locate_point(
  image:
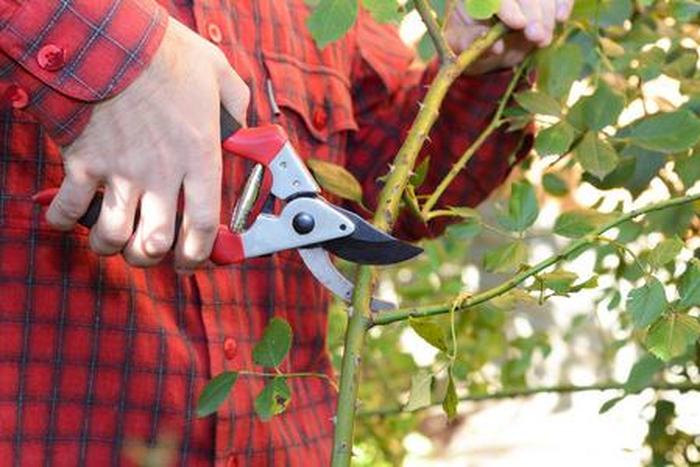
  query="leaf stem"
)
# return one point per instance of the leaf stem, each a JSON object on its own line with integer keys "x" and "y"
{"x": 443, "y": 48}
{"x": 261, "y": 374}
{"x": 528, "y": 392}
{"x": 389, "y": 317}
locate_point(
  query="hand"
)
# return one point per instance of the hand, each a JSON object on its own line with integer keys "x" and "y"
{"x": 533, "y": 21}
{"x": 158, "y": 135}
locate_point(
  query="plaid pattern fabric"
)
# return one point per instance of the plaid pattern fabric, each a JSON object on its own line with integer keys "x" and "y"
{"x": 94, "y": 353}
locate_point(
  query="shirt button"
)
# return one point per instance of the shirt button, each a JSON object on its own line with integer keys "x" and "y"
{"x": 320, "y": 118}
{"x": 214, "y": 33}
{"x": 18, "y": 97}
{"x": 232, "y": 462}
{"x": 230, "y": 347}
{"x": 51, "y": 57}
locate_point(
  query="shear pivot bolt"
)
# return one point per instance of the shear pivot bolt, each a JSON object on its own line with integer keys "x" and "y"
{"x": 303, "y": 223}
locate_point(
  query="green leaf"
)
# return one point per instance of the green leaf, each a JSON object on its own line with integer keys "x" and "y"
{"x": 522, "y": 208}
{"x": 336, "y": 179}
{"x": 273, "y": 399}
{"x": 642, "y": 373}
{"x": 609, "y": 404}
{"x": 538, "y": 103}
{"x": 689, "y": 288}
{"x": 383, "y": 11}
{"x": 670, "y": 336}
{"x": 482, "y": 9}
{"x": 421, "y": 383}
{"x": 331, "y": 19}
{"x": 274, "y": 345}
{"x": 666, "y": 132}
{"x": 688, "y": 169}
{"x": 560, "y": 281}
{"x": 558, "y": 66}
{"x": 506, "y": 258}
{"x": 596, "y": 156}
{"x": 647, "y": 303}
{"x": 665, "y": 252}
{"x": 449, "y": 403}
{"x": 215, "y": 393}
{"x": 555, "y": 140}
{"x": 602, "y": 13}
{"x": 430, "y": 331}
{"x": 602, "y": 108}
{"x": 554, "y": 185}
{"x": 575, "y": 224}
{"x": 420, "y": 173}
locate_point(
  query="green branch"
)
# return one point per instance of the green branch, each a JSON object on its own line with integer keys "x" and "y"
{"x": 443, "y": 48}
{"x": 389, "y": 317}
{"x": 527, "y": 392}
{"x": 384, "y": 218}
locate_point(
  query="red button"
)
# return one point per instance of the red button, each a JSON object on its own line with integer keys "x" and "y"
{"x": 230, "y": 347}
{"x": 232, "y": 462}
{"x": 320, "y": 119}
{"x": 17, "y": 96}
{"x": 214, "y": 33}
{"x": 51, "y": 57}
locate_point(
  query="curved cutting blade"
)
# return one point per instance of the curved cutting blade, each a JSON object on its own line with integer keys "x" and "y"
{"x": 319, "y": 263}
{"x": 369, "y": 245}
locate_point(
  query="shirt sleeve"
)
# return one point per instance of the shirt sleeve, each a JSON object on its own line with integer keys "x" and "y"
{"x": 387, "y": 93}
{"x": 58, "y": 57}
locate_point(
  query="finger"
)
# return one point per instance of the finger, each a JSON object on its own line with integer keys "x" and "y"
{"x": 235, "y": 95}
{"x": 534, "y": 31}
{"x": 564, "y": 9}
{"x": 200, "y": 221}
{"x": 116, "y": 222}
{"x": 498, "y": 48}
{"x": 155, "y": 232}
{"x": 72, "y": 200}
{"x": 511, "y": 15}
{"x": 548, "y": 21}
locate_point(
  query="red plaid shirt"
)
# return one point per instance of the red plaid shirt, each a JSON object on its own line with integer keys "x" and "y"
{"x": 95, "y": 353}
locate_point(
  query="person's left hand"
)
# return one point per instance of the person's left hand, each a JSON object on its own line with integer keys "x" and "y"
{"x": 532, "y": 21}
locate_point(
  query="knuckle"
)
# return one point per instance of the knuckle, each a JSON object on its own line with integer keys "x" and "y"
{"x": 65, "y": 208}
{"x": 206, "y": 225}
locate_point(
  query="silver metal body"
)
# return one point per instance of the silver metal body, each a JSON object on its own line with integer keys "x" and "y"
{"x": 290, "y": 176}
{"x": 247, "y": 200}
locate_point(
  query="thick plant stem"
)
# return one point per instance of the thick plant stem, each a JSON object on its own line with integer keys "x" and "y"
{"x": 527, "y": 392}
{"x": 389, "y": 317}
{"x": 384, "y": 218}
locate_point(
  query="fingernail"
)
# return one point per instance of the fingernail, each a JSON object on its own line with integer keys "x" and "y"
{"x": 156, "y": 246}
{"x": 562, "y": 12}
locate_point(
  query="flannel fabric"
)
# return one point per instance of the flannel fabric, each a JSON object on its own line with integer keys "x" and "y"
{"x": 95, "y": 354}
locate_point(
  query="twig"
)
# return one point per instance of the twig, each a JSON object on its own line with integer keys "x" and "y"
{"x": 443, "y": 48}
{"x": 384, "y": 218}
{"x": 565, "y": 389}
{"x": 260, "y": 374}
{"x": 389, "y": 317}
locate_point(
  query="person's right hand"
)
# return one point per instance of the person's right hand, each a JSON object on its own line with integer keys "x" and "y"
{"x": 160, "y": 134}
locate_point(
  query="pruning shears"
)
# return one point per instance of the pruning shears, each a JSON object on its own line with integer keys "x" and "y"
{"x": 307, "y": 222}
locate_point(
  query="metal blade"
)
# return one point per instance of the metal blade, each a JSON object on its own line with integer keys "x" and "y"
{"x": 369, "y": 245}
{"x": 319, "y": 263}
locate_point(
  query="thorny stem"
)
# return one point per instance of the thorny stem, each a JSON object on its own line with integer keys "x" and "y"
{"x": 443, "y": 48}
{"x": 384, "y": 218}
{"x": 458, "y": 166}
{"x": 527, "y": 392}
{"x": 389, "y": 317}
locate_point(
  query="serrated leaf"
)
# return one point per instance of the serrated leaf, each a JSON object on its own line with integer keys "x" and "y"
{"x": 670, "y": 336}
{"x": 331, "y": 19}
{"x": 595, "y": 155}
{"x": 647, "y": 303}
{"x": 482, "y": 9}
{"x": 665, "y": 252}
{"x": 560, "y": 281}
{"x": 602, "y": 108}
{"x": 522, "y": 208}
{"x": 555, "y": 140}
{"x": 274, "y": 345}
{"x": 383, "y": 11}
{"x": 449, "y": 403}
{"x": 430, "y": 331}
{"x": 666, "y": 132}
{"x": 575, "y": 224}
{"x": 538, "y": 103}
{"x": 642, "y": 373}
{"x": 215, "y": 393}
{"x": 554, "y": 185}
{"x": 421, "y": 383}
{"x": 336, "y": 179}
{"x": 689, "y": 288}
{"x": 506, "y": 258}
{"x": 273, "y": 399}
{"x": 558, "y": 67}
